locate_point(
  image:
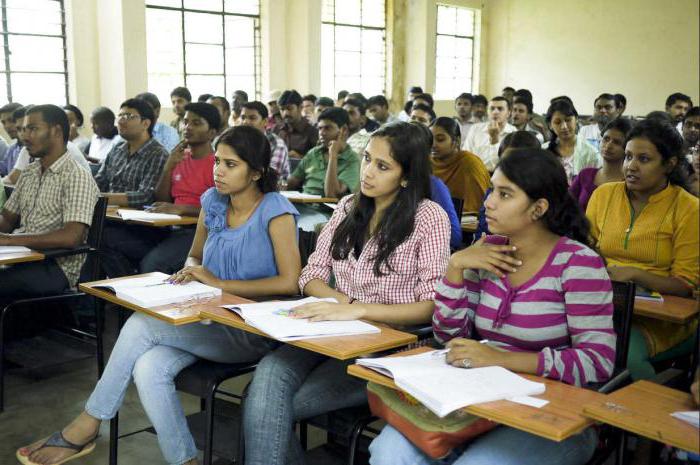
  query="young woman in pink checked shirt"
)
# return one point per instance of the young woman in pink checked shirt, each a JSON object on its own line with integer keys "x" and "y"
{"x": 387, "y": 246}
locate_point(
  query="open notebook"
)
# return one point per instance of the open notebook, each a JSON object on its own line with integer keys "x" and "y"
{"x": 10, "y": 249}
{"x": 443, "y": 388}
{"x": 144, "y": 215}
{"x": 299, "y": 195}
{"x": 273, "y": 318}
{"x": 152, "y": 291}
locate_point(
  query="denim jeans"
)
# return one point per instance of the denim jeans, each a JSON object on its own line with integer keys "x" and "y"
{"x": 153, "y": 353}
{"x": 292, "y": 384}
{"x": 170, "y": 254}
{"x": 502, "y": 446}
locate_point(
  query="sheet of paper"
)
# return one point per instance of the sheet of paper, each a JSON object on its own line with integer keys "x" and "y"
{"x": 331, "y": 205}
{"x": 690, "y": 417}
{"x": 299, "y": 195}
{"x": 8, "y": 249}
{"x": 143, "y": 215}
{"x": 531, "y": 401}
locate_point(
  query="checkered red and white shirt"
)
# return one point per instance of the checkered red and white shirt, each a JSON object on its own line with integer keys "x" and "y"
{"x": 418, "y": 263}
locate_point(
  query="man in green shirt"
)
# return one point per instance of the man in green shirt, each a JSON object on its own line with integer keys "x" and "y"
{"x": 330, "y": 169}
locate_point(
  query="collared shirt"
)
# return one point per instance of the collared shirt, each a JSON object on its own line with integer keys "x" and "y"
{"x": 464, "y": 129}
{"x": 591, "y": 133}
{"x": 359, "y": 141}
{"x": 312, "y": 170}
{"x": 3, "y": 150}
{"x": 136, "y": 174}
{"x": 100, "y": 146}
{"x": 416, "y": 265}
{"x": 299, "y": 140}
{"x": 24, "y": 159}
{"x": 8, "y": 163}
{"x": 166, "y": 135}
{"x": 63, "y": 193}
{"x": 178, "y": 125}
{"x": 279, "y": 159}
{"x": 478, "y": 141}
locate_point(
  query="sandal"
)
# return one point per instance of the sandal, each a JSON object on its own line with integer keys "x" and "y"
{"x": 57, "y": 440}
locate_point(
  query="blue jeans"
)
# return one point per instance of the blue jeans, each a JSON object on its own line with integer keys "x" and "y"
{"x": 502, "y": 446}
{"x": 153, "y": 353}
{"x": 292, "y": 384}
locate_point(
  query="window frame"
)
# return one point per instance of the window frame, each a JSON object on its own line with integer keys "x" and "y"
{"x": 474, "y": 38}
{"x": 257, "y": 53}
{"x": 6, "y": 44}
{"x": 361, "y": 27}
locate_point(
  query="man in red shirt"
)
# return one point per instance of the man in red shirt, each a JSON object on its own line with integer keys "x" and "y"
{"x": 187, "y": 174}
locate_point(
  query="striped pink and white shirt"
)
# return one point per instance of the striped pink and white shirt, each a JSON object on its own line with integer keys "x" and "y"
{"x": 564, "y": 312}
{"x": 418, "y": 263}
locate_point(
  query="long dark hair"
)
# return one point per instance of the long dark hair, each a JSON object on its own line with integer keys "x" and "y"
{"x": 541, "y": 176}
{"x": 669, "y": 144}
{"x": 566, "y": 108}
{"x": 410, "y": 149}
{"x": 252, "y": 146}
{"x": 450, "y": 126}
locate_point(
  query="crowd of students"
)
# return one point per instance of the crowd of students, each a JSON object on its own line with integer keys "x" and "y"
{"x": 563, "y": 210}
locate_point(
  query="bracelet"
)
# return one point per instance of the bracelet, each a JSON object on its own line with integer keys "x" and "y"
{"x": 352, "y": 299}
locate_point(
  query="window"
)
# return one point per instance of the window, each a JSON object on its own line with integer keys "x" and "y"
{"x": 353, "y": 49}
{"x": 454, "y": 51}
{"x": 209, "y": 46}
{"x": 33, "y": 67}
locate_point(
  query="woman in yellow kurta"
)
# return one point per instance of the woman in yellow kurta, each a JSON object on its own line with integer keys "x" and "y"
{"x": 463, "y": 172}
{"x": 647, "y": 229}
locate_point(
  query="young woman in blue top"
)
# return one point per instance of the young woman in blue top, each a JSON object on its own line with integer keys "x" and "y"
{"x": 242, "y": 245}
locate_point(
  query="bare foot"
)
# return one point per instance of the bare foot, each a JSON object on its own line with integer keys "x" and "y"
{"x": 81, "y": 431}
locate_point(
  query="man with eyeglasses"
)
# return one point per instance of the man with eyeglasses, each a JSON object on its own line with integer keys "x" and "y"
{"x": 128, "y": 178}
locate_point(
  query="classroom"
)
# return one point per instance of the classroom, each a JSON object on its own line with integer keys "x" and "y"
{"x": 384, "y": 232}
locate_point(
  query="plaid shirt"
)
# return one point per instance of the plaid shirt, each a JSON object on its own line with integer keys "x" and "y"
{"x": 136, "y": 175}
{"x": 419, "y": 262}
{"x": 279, "y": 160}
{"x": 64, "y": 193}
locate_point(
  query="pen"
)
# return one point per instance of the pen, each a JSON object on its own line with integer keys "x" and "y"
{"x": 158, "y": 284}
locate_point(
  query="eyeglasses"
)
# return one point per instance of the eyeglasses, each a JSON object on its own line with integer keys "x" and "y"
{"x": 127, "y": 116}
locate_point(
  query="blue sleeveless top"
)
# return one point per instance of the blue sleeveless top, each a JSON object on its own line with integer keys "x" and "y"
{"x": 245, "y": 252}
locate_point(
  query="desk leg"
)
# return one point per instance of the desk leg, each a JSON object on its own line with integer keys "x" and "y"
{"x": 99, "y": 307}
{"x": 622, "y": 449}
{"x": 113, "y": 439}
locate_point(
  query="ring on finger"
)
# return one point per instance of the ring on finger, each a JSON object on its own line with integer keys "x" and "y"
{"x": 466, "y": 363}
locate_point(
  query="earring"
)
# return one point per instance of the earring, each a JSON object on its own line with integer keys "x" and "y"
{"x": 404, "y": 184}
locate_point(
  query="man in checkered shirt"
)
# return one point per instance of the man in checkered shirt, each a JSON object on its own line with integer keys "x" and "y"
{"x": 51, "y": 207}
{"x": 129, "y": 176}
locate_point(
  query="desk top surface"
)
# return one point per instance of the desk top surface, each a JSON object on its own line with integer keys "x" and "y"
{"x": 183, "y": 221}
{"x": 561, "y": 418}
{"x": 20, "y": 257}
{"x": 645, "y": 408}
{"x": 673, "y": 308}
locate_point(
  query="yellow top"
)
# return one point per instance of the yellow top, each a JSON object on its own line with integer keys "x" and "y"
{"x": 661, "y": 239}
{"x": 465, "y": 176}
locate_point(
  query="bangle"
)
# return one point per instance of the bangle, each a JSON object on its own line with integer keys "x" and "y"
{"x": 352, "y": 299}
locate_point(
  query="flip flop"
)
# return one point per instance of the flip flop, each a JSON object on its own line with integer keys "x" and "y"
{"x": 57, "y": 440}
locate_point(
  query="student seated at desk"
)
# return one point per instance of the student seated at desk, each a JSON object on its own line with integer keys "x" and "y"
{"x": 245, "y": 245}
{"x": 386, "y": 246}
{"x": 647, "y": 229}
{"x": 128, "y": 178}
{"x": 543, "y": 301}
{"x": 51, "y": 207}
{"x": 330, "y": 169}
{"x": 186, "y": 176}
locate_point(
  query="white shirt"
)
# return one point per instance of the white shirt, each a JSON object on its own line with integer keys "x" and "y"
{"x": 464, "y": 129}
{"x": 478, "y": 141}
{"x": 100, "y": 146}
{"x": 24, "y": 159}
{"x": 591, "y": 132}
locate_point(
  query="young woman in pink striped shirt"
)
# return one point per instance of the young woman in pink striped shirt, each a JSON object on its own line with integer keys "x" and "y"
{"x": 538, "y": 294}
{"x": 387, "y": 247}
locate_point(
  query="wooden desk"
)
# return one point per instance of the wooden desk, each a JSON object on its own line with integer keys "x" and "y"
{"x": 175, "y": 314}
{"x": 645, "y": 408}
{"x": 183, "y": 221}
{"x": 20, "y": 257}
{"x": 560, "y": 419}
{"x": 341, "y": 348}
{"x": 469, "y": 227}
{"x": 674, "y": 309}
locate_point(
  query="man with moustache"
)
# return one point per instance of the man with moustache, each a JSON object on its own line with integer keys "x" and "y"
{"x": 604, "y": 110}
{"x": 297, "y": 133}
{"x": 484, "y": 138}
{"x": 51, "y": 207}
